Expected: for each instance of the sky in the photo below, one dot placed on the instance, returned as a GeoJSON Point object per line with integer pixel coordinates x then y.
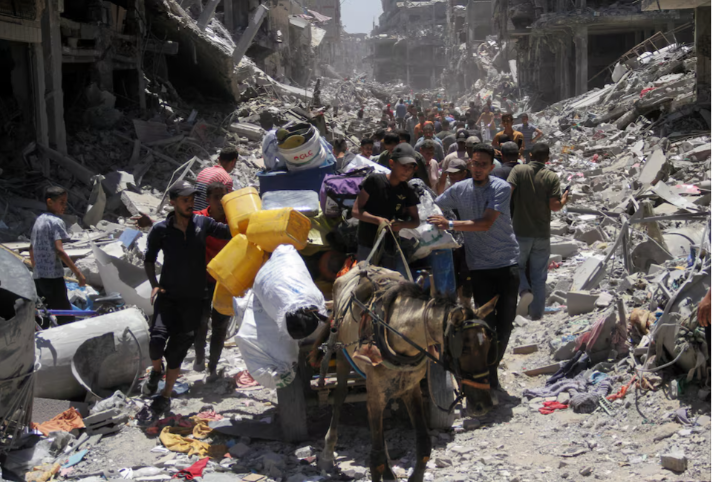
{"type": "Point", "coordinates": [357, 15]}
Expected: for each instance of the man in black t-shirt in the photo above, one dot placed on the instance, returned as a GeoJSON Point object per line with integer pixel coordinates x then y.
{"type": "Point", "coordinates": [387, 199]}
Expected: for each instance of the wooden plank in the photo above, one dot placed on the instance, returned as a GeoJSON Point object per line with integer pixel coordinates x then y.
{"type": "Point", "coordinates": [546, 370]}
{"type": "Point", "coordinates": [525, 349]}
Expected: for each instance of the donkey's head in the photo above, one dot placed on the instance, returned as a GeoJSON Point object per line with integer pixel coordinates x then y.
{"type": "Point", "coordinates": [467, 341]}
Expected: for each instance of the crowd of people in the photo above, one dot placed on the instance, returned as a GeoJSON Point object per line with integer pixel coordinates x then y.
{"type": "Point", "coordinates": [490, 178]}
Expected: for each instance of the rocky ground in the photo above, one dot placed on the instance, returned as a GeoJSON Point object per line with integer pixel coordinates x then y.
{"type": "Point", "coordinates": [514, 442]}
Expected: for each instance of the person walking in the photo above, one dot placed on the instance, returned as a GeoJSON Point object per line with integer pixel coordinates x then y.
{"type": "Point", "coordinates": [227, 160]}
{"type": "Point", "coordinates": [47, 254]}
{"type": "Point", "coordinates": [387, 199]}
{"type": "Point", "coordinates": [531, 134]}
{"type": "Point", "coordinates": [401, 113]}
{"type": "Point", "coordinates": [536, 192]}
{"type": "Point", "coordinates": [178, 297]}
{"type": "Point", "coordinates": [483, 204]}
{"type": "Point", "coordinates": [219, 322]}
{"type": "Point", "coordinates": [411, 122]}
{"type": "Point", "coordinates": [509, 156]}
{"type": "Point", "coordinates": [513, 135]}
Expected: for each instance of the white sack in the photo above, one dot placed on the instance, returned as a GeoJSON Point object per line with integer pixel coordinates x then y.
{"type": "Point", "coordinates": [269, 353]}
{"type": "Point", "coordinates": [283, 285]}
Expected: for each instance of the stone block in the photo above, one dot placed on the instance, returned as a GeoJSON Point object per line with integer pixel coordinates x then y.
{"type": "Point", "coordinates": [250, 131]}
{"type": "Point", "coordinates": [580, 303]}
{"type": "Point", "coordinates": [101, 417]}
{"type": "Point", "coordinates": [563, 248]}
{"type": "Point", "coordinates": [239, 450]}
{"type": "Point", "coordinates": [590, 234]}
{"type": "Point", "coordinates": [604, 300]}
{"type": "Point", "coordinates": [558, 228]}
{"type": "Point", "coordinates": [587, 274]}
{"type": "Point", "coordinates": [139, 203]}
{"type": "Point", "coordinates": [555, 258]}
{"type": "Point", "coordinates": [674, 461]}
{"type": "Point", "coordinates": [525, 349]}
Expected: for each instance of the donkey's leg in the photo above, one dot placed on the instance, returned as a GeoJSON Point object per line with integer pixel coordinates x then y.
{"type": "Point", "coordinates": [378, 459]}
{"type": "Point", "coordinates": [327, 459]}
{"type": "Point", "coordinates": [413, 401]}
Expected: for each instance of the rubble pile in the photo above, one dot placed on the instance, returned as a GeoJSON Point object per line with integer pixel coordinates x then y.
{"type": "Point", "coordinates": [631, 259]}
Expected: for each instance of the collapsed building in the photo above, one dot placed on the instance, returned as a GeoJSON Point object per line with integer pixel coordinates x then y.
{"type": "Point", "coordinates": [408, 44]}
{"type": "Point", "coordinates": [84, 61]}
{"type": "Point", "coordinates": [554, 50]}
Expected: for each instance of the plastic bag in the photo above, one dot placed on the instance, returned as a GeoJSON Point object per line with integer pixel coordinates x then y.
{"type": "Point", "coordinates": [429, 237]}
{"type": "Point", "coordinates": [305, 202]}
{"type": "Point", "coordinates": [269, 353]}
{"type": "Point", "coordinates": [360, 162]}
{"type": "Point", "coordinates": [270, 152]}
{"type": "Point", "coordinates": [240, 306]}
{"type": "Point", "coordinates": [284, 285]}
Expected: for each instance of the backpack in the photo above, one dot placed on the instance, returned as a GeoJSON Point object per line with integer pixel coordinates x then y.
{"type": "Point", "coordinates": [339, 191]}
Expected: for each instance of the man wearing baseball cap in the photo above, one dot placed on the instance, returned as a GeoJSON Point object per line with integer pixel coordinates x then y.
{"type": "Point", "coordinates": [387, 199]}
{"type": "Point", "coordinates": [177, 298]}
{"type": "Point", "coordinates": [457, 171]}
{"type": "Point", "coordinates": [458, 152]}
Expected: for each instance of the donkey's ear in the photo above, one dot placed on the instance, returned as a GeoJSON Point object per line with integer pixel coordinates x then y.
{"type": "Point", "coordinates": [484, 310]}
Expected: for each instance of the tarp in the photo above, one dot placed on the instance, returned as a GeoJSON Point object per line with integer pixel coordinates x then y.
{"type": "Point", "coordinates": [317, 35]}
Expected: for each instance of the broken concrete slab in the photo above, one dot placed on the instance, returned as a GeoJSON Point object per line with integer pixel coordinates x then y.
{"type": "Point", "coordinates": [544, 370]}
{"type": "Point", "coordinates": [139, 203]}
{"type": "Point", "coordinates": [587, 274]}
{"type": "Point", "coordinates": [563, 248]}
{"type": "Point", "coordinates": [580, 303]}
{"type": "Point", "coordinates": [589, 234]}
{"type": "Point", "coordinates": [653, 169]}
{"type": "Point", "coordinates": [525, 349]}
{"type": "Point", "coordinates": [674, 461]}
{"type": "Point", "coordinates": [698, 154]}
{"type": "Point", "coordinates": [249, 131]}
{"type": "Point", "coordinates": [558, 228]}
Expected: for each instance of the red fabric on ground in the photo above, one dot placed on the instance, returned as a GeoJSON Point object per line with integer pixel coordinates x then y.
{"type": "Point", "coordinates": [196, 470]}
{"type": "Point", "coordinates": [550, 407]}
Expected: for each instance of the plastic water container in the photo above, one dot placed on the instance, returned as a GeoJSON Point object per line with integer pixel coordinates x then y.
{"type": "Point", "coordinates": [270, 229]}
{"type": "Point", "coordinates": [236, 265]}
{"type": "Point", "coordinates": [223, 300]}
{"type": "Point", "coordinates": [239, 205]}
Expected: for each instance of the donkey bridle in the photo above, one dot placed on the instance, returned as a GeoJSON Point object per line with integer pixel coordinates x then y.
{"type": "Point", "coordinates": [453, 347]}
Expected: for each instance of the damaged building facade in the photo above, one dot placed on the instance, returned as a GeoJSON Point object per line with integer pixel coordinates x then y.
{"type": "Point", "coordinates": [82, 61]}
{"type": "Point", "coordinates": [555, 49]}
{"type": "Point", "coordinates": [408, 43]}
{"type": "Point", "coordinates": [565, 49]}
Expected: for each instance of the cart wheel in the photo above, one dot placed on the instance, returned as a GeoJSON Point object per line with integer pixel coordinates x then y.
{"type": "Point", "coordinates": [441, 386]}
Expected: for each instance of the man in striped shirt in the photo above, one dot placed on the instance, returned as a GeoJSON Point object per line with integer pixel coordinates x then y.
{"type": "Point", "coordinates": [219, 173]}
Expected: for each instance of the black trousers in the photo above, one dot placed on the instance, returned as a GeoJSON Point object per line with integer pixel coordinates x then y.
{"type": "Point", "coordinates": [219, 330]}
{"type": "Point", "coordinates": [487, 283]}
{"type": "Point", "coordinates": [173, 328]}
{"type": "Point", "coordinates": [54, 292]}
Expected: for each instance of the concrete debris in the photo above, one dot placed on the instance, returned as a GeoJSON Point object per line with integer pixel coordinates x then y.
{"type": "Point", "coordinates": [176, 82]}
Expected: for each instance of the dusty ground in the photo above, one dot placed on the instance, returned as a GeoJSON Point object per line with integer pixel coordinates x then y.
{"type": "Point", "coordinates": [512, 443]}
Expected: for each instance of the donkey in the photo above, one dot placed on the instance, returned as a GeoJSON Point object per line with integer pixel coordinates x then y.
{"type": "Point", "coordinates": [427, 322]}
